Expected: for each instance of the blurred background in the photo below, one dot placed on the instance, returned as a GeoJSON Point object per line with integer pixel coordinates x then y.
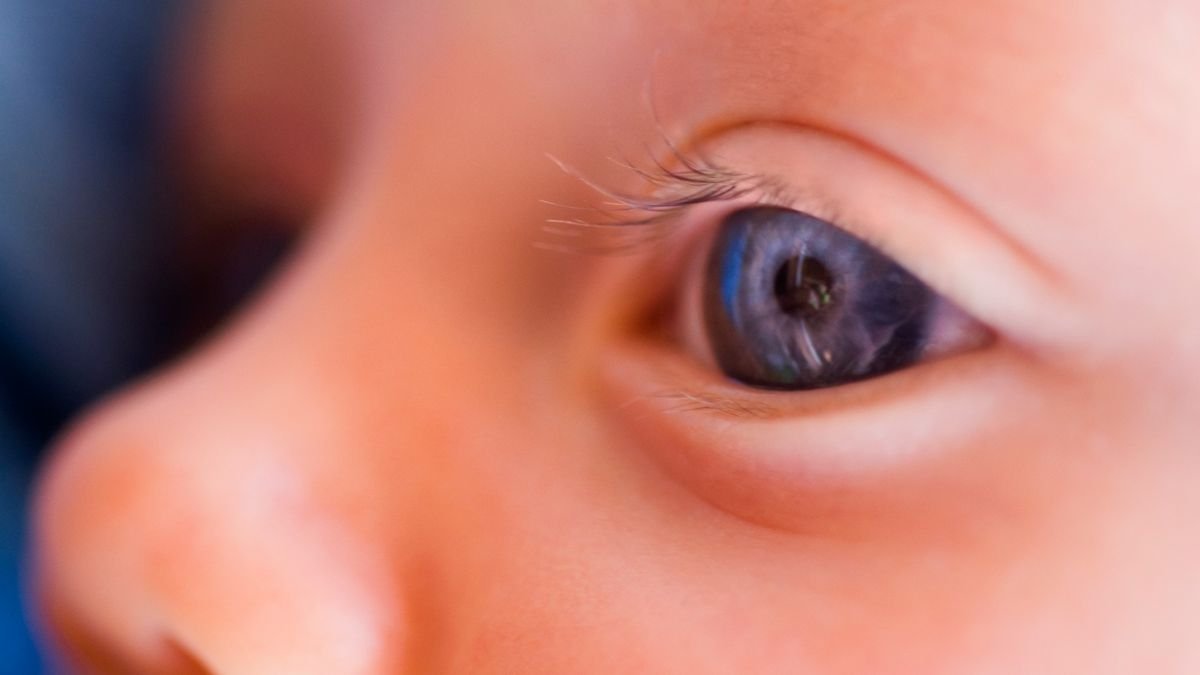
{"type": "Point", "coordinates": [102, 274]}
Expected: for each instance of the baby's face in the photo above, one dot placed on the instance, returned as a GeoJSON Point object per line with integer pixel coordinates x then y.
{"type": "Point", "coordinates": [450, 439]}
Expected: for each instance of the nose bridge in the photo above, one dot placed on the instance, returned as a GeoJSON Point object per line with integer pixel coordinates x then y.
{"type": "Point", "coordinates": [327, 432]}
{"type": "Point", "coordinates": [393, 327]}
{"type": "Point", "coordinates": [293, 482]}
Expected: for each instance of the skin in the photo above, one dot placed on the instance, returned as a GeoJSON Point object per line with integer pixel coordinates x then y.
{"type": "Point", "coordinates": [433, 447]}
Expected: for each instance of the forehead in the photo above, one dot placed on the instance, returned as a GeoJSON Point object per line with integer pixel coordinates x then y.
{"type": "Point", "coordinates": [1029, 78]}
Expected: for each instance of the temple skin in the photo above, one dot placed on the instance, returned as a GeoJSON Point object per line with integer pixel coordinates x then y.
{"type": "Point", "coordinates": [434, 447]}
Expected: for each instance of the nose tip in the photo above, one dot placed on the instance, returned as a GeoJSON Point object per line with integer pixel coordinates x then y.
{"type": "Point", "coordinates": [235, 542]}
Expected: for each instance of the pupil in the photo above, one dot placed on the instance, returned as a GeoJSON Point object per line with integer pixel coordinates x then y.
{"type": "Point", "coordinates": [803, 287]}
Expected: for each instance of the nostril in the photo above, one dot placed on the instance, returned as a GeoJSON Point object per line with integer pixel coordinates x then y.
{"type": "Point", "coordinates": [183, 661]}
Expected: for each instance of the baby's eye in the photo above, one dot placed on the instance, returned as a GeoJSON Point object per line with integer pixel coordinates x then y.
{"type": "Point", "coordinates": [791, 302]}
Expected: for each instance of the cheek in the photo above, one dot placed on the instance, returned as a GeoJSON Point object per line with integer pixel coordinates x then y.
{"type": "Point", "coordinates": [963, 540]}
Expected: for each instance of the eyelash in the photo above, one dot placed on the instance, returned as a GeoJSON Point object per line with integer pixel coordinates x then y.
{"type": "Point", "coordinates": [627, 222]}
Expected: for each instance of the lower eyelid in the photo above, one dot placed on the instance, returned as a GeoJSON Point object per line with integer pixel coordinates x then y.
{"type": "Point", "coordinates": [667, 376]}
{"type": "Point", "coordinates": [764, 456]}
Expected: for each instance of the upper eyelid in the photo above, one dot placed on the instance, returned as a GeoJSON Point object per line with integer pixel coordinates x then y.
{"type": "Point", "coordinates": [627, 221]}
{"type": "Point", "coordinates": [968, 262]}
{"type": "Point", "coordinates": [699, 181]}
{"type": "Point", "coordinates": [631, 219]}
{"type": "Point", "coordinates": [634, 219]}
{"type": "Point", "coordinates": [977, 263]}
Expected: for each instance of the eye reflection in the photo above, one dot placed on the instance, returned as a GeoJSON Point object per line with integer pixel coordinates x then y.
{"type": "Point", "coordinates": [792, 302]}
{"type": "Point", "coordinates": [803, 287]}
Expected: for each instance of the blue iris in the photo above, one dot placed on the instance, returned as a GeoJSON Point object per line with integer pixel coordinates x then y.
{"type": "Point", "coordinates": [793, 302]}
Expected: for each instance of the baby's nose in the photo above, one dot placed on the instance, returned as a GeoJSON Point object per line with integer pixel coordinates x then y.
{"type": "Point", "coordinates": [236, 534]}
{"type": "Point", "coordinates": [323, 489]}
{"type": "Point", "coordinates": [283, 502]}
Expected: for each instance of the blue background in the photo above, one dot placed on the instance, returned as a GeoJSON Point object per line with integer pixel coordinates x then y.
{"type": "Point", "coordinates": [81, 251]}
